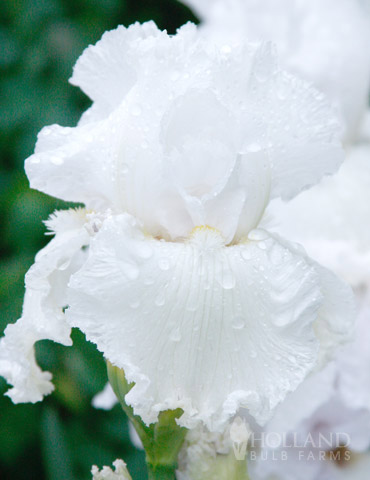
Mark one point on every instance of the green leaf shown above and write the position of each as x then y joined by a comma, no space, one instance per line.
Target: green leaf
57,457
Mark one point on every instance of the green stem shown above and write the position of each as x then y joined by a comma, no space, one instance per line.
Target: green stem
242,470
162,440
160,472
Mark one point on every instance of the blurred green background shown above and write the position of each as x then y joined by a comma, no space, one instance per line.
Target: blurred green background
40,40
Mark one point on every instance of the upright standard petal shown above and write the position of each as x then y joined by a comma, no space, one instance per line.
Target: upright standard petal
198,325
43,316
225,130
325,42
330,220
108,70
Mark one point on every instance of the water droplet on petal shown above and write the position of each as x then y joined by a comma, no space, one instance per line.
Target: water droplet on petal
64,265
238,322
144,250
175,335
130,270
56,160
257,235
160,300
192,305
228,281
253,354
292,359
226,49
246,253
283,319
164,263
135,304
253,147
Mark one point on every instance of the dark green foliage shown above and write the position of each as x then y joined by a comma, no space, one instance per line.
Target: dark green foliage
60,438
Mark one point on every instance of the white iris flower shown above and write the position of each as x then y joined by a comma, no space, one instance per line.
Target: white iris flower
182,150
335,400
323,41
120,472
340,239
